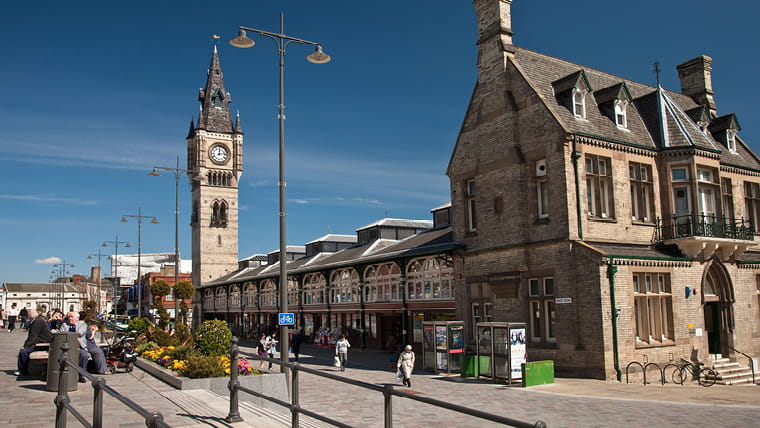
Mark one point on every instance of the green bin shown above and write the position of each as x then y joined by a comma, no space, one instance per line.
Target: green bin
469,366
538,373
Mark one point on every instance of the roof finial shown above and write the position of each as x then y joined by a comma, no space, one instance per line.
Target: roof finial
657,68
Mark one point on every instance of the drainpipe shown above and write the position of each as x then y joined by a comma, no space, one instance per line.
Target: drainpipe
575,156
611,270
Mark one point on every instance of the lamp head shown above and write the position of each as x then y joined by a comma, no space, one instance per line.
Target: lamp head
155,173
123,219
104,244
242,41
154,221
127,245
318,57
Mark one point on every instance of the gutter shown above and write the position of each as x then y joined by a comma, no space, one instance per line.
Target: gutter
611,270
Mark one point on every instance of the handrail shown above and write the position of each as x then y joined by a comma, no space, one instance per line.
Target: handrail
63,403
387,391
751,362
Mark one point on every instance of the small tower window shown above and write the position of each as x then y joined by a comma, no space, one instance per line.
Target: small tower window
579,103
620,114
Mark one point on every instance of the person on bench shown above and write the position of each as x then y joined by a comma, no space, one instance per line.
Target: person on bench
39,332
85,335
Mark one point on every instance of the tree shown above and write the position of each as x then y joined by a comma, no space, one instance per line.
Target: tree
183,290
159,289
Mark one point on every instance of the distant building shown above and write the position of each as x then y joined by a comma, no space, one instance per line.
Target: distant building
66,294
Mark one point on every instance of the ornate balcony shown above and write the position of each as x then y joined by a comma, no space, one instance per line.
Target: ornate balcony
704,235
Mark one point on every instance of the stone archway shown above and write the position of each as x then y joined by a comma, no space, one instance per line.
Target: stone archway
718,308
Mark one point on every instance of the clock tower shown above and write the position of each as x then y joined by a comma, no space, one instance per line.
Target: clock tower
215,164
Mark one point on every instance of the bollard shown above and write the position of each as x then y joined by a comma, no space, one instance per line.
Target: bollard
387,394
234,415
62,398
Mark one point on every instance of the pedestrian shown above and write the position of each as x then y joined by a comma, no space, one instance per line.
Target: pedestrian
2,316
341,350
295,345
261,348
12,315
272,346
22,315
39,332
87,346
406,365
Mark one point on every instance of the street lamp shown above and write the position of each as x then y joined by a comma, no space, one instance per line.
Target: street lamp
139,218
115,269
176,172
59,270
100,274
316,57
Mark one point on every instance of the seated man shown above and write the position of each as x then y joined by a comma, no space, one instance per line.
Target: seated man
38,333
85,335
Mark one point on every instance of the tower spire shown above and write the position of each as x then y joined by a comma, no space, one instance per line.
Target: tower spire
215,100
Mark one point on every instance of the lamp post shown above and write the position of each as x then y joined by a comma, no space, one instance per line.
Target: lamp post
316,57
115,269
59,271
176,172
139,218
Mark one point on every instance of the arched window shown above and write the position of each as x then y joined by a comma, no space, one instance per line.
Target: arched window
579,103
268,295
234,299
221,298
620,114
382,283
314,289
208,298
430,278
249,295
344,286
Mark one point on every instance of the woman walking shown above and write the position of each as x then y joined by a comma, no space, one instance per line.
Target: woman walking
406,365
261,349
341,350
272,346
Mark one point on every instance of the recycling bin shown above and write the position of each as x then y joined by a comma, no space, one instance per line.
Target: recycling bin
53,367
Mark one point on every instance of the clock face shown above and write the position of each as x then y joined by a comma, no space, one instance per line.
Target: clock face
219,153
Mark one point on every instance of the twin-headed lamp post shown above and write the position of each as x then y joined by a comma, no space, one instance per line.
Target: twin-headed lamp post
115,268
139,218
316,57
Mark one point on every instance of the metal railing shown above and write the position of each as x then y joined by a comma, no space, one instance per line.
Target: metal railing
689,225
388,392
63,403
751,362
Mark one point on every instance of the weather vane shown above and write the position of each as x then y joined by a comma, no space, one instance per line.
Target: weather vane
216,38
657,69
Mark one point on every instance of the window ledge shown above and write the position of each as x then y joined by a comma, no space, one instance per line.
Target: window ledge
654,344
471,233
544,220
642,223
602,220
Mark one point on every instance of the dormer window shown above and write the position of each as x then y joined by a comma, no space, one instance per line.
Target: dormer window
620,114
731,140
579,103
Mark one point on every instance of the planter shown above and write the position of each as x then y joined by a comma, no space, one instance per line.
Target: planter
271,384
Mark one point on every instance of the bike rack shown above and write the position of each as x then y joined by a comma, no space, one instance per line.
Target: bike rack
642,370
664,369
662,375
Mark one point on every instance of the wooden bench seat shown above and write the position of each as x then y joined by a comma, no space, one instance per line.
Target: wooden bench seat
39,359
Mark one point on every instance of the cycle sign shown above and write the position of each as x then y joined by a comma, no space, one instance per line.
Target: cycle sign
286,318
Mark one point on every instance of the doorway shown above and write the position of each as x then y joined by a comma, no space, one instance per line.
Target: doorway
717,306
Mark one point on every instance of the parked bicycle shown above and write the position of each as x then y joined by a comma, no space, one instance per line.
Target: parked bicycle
704,375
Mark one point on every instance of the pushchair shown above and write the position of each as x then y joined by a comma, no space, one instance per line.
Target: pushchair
121,353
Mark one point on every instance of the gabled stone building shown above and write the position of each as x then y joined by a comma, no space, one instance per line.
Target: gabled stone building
616,218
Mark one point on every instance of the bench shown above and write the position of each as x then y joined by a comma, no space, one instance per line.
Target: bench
38,359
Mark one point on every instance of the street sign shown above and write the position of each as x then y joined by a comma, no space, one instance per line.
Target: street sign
563,300
286,318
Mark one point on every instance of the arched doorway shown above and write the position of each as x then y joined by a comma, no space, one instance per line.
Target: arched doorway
718,308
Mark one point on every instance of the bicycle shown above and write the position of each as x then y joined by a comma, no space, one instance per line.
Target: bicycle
704,375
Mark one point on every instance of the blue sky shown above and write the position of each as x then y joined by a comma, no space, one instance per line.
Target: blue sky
97,93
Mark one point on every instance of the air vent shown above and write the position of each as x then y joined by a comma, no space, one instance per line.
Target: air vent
541,168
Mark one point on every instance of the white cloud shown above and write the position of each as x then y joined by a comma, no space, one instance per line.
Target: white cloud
35,198
48,261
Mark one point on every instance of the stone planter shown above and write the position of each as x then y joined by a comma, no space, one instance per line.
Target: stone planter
271,384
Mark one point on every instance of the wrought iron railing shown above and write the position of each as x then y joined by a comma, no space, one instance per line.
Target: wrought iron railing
751,362
690,225
387,391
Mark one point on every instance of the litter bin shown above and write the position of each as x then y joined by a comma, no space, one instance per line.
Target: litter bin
53,368
470,366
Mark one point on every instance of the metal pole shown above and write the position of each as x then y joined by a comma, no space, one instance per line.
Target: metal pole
234,415
176,243
139,263
283,248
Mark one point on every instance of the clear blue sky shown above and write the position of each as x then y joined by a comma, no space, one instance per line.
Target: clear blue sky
96,93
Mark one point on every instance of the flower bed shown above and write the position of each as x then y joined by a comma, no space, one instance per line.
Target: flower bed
164,357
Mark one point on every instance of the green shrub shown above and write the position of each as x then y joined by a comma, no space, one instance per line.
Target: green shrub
140,325
162,338
183,335
146,346
183,353
204,366
213,337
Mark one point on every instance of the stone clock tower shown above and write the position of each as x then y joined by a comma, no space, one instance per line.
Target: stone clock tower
215,162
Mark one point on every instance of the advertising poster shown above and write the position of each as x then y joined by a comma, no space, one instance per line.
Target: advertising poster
440,337
457,338
517,351
442,360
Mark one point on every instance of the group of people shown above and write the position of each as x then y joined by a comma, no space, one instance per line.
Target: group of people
41,330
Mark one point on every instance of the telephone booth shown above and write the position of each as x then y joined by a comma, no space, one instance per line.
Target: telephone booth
442,346
501,350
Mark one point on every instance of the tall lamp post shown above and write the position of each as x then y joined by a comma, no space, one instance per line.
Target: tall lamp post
316,57
59,271
100,272
176,172
115,269
139,218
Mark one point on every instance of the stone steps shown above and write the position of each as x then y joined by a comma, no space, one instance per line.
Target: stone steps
730,372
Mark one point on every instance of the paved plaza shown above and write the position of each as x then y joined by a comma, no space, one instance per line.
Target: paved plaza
566,403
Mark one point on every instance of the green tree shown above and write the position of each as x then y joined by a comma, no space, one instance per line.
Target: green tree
183,290
159,289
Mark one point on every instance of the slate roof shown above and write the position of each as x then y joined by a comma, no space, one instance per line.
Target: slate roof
553,77
398,222
211,117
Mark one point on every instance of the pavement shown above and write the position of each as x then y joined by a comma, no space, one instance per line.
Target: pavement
565,403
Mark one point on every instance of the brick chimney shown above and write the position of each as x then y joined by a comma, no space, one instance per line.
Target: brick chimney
494,34
696,81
